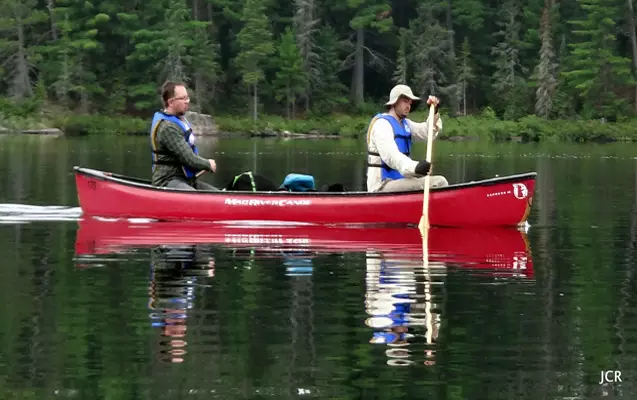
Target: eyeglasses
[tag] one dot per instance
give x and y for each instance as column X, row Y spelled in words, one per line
column 185, row 98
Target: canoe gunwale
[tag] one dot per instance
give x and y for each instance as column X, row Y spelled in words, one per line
column 146, row 185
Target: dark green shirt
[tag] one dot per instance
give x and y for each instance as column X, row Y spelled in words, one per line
column 170, row 139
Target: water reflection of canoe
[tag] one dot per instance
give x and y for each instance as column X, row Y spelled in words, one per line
column 493, row 248
column 503, row 201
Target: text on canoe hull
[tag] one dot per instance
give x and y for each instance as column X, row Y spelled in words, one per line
column 273, row 202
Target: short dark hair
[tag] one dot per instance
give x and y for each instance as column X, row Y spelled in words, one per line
column 168, row 90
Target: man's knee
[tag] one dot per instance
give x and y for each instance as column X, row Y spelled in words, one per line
column 205, row 186
column 437, row 181
column 179, row 184
column 409, row 184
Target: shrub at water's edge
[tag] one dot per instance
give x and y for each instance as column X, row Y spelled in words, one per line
column 485, row 126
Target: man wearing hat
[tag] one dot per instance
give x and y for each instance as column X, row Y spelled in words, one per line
column 389, row 140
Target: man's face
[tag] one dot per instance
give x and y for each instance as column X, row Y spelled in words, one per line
column 180, row 102
column 402, row 106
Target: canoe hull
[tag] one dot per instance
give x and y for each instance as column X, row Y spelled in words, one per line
column 502, row 201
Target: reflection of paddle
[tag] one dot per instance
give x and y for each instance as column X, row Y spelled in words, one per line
column 424, row 220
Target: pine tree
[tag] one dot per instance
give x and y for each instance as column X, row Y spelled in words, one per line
column 330, row 92
column 465, row 72
column 306, row 27
column 596, row 69
column 509, row 75
column 290, row 79
column 255, row 43
column 402, row 61
column 545, row 72
column 374, row 15
column 430, row 52
column 17, row 57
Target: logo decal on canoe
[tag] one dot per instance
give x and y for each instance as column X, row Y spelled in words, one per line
column 280, row 203
column 520, row 191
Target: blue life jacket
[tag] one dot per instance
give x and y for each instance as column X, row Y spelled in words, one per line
column 402, row 137
column 189, row 137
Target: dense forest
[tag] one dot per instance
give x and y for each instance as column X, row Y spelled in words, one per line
column 553, row 59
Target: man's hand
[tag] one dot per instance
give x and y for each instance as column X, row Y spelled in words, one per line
column 436, row 102
column 213, row 165
column 433, row 100
column 423, row 168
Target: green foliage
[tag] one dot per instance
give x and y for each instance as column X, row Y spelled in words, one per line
column 596, row 69
column 77, row 125
column 559, row 60
column 485, row 126
column 290, row 79
column 255, row 42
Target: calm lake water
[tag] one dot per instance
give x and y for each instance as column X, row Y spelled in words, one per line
column 109, row 311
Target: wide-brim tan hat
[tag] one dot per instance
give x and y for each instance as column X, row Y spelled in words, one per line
column 401, row 90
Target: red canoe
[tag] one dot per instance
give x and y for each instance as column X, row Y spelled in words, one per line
column 501, row 249
column 502, row 201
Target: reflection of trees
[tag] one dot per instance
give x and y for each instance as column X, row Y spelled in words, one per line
column 302, row 331
column 402, row 309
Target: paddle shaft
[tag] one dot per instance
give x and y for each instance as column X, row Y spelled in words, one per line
column 424, row 221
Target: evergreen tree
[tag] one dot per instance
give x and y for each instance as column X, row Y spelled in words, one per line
column 508, row 77
column 465, row 72
column 545, row 72
column 596, row 69
column 306, row 26
column 110, row 55
column 330, row 92
column 18, row 57
column 290, row 79
column 255, row 43
column 402, row 61
column 430, row 53
column 374, row 15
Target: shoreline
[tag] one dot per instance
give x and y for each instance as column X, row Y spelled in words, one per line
column 463, row 128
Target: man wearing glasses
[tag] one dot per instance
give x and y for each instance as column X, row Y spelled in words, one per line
column 176, row 163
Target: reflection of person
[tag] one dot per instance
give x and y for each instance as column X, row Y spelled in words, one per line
column 174, row 273
column 395, row 308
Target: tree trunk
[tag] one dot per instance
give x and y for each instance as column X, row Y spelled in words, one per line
column 464, row 98
column 359, row 68
column 293, row 106
column 633, row 41
column 54, row 31
column 287, row 103
column 254, row 104
column 22, row 85
column 452, row 55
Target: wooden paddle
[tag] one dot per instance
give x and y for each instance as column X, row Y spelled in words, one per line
column 424, row 220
